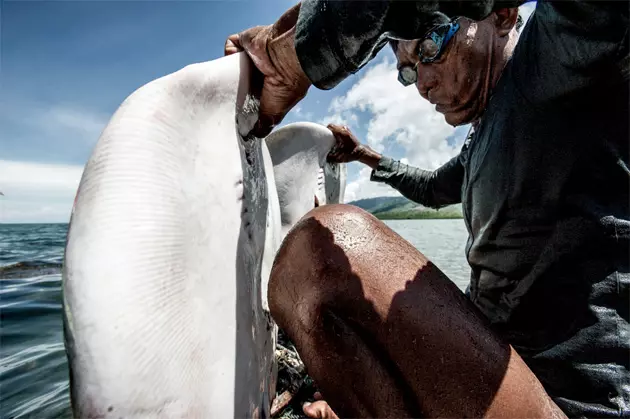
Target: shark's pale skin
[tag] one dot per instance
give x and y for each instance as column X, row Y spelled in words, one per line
column 173, row 234
column 298, row 153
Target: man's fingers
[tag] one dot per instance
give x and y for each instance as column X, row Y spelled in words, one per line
column 263, row 126
column 340, row 132
column 333, row 158
column 334, row 128
column 232, row 45
column 319, row 410
column 254, row 42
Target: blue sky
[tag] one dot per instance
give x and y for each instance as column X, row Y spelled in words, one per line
column 65, row 67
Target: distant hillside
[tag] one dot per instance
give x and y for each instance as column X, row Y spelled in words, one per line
column 384, row 203
column 400, row 208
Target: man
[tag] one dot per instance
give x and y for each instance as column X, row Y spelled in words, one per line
column 544, row 185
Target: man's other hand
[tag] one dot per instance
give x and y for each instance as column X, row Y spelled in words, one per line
column 347, row 147
column 272, row 50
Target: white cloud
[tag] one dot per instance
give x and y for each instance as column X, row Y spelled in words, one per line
column 58, row 122
column 394, row 113
column 35, row 192
column 347, row 118
column 84, row 122
column 299, row 113
column 397, row 113
column 362, row 187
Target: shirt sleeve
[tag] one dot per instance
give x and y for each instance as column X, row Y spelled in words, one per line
column 434, row 189
column 336, row 38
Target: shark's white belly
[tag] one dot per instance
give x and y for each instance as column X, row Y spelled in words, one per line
column 172, row 238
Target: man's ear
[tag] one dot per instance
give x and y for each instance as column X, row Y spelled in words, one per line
column 505, row 20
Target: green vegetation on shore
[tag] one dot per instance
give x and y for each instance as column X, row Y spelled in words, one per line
column 400, row 208
column 418, row 215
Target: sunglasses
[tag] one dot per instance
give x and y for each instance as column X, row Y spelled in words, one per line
column 431, row 48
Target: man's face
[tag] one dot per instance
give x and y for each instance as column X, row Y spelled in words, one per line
column 458, row 82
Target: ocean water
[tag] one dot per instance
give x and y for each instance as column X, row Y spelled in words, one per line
column 33, row 369
column 33, row 366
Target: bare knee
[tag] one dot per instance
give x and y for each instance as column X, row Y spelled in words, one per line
column 313, row 264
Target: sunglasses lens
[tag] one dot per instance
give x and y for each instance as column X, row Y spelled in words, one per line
column 407, row 75
column 432, row 46
column 429, row 49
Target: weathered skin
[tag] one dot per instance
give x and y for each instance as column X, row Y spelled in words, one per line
column 385, row 333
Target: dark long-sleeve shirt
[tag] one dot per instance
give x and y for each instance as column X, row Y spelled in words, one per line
column 433, row 189
column 543, row 187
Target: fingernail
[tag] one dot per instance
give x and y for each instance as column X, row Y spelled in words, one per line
column 306, row 404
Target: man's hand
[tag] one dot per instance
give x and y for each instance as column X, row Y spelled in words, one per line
column 348, row 148
column 272, row 50
column 319, row 409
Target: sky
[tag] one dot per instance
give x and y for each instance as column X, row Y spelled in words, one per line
column 66, row 66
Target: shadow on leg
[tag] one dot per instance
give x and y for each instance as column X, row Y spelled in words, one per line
column 384, row 333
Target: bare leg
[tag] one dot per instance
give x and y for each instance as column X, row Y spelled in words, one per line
column 384, row 333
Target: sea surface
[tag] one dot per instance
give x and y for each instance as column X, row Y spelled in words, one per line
column 33, row 368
